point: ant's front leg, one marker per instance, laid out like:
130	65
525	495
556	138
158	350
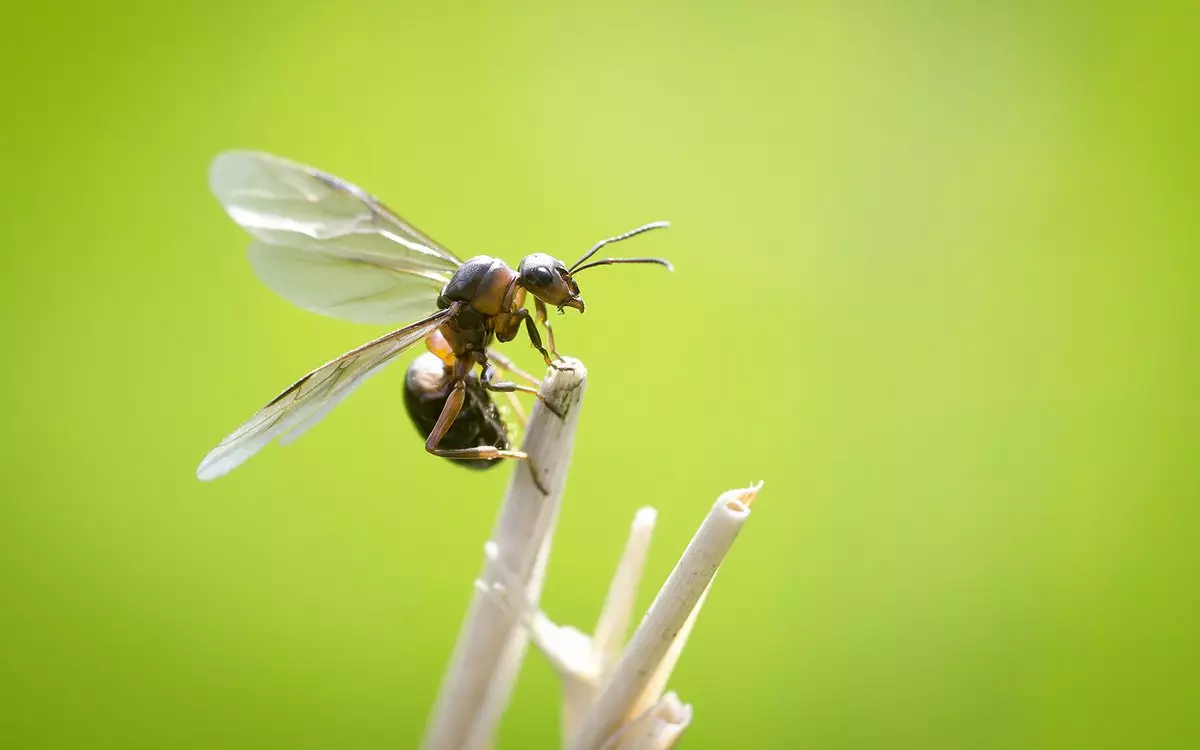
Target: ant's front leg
540	308
535	338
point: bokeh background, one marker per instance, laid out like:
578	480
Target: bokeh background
937	286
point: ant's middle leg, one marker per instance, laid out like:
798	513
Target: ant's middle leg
517	410
503	362
489	382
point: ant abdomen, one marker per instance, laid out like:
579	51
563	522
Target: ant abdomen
426	388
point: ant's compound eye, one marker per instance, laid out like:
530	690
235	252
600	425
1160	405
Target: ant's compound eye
540	276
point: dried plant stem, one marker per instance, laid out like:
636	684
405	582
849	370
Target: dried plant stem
658	679
492	643
646	662
659	728
613	624
581	686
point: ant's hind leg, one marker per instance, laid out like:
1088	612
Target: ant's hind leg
446	419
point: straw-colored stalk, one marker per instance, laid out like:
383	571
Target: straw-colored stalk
635	683
659	728
491	644
613	698
583	663
613	695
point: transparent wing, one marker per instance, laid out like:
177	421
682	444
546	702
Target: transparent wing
326	244
311	397
346	288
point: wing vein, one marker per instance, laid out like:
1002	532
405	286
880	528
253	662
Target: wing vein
306	401
326	244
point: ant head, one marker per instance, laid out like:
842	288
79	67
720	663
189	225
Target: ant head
549	280
553	283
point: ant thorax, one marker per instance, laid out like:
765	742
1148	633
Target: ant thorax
483	283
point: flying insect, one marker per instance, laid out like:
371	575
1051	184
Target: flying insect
328	246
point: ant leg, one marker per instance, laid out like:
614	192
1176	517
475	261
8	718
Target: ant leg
504	363
540	308
536	339
446	419
489	383
518	410
502	386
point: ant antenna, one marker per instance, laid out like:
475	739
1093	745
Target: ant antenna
618	238
612	261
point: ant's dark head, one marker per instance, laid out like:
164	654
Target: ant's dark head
549	280
553	283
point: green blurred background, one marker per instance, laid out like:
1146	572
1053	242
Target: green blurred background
937	286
